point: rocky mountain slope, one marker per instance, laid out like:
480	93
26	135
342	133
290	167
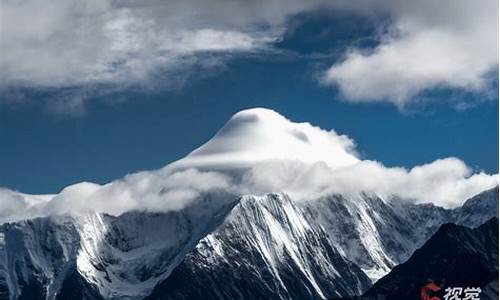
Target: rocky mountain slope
265	249
255	247
113	257
455	256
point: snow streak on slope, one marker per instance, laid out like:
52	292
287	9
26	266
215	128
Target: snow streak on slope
378	234
353	229
257	247
272	247
368	230
265	249
121	257
129	255
35	256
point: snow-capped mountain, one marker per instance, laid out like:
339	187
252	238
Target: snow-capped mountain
259	134
251	214
116	257
256	247
372	237
265	249
379	234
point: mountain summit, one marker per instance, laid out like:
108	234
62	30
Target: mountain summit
201	229
260	134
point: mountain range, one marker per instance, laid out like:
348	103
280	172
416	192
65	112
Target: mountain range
266	247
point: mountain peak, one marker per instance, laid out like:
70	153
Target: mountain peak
257	114
259	134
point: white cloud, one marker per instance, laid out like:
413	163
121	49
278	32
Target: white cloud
451	43
78	50
105	44
251	155
445	182
71	43
259	134
160	190
12	205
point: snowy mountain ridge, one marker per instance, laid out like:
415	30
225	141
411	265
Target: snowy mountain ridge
272	244
123	256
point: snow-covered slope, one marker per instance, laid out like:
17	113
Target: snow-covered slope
265	249
379	234
119	257
35	256
275	248
473	211
374	233
254	247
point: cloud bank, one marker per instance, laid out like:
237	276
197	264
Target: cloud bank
154	191
97	42
257	152
429	44
444	182
101	45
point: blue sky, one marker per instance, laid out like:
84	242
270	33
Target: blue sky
124	128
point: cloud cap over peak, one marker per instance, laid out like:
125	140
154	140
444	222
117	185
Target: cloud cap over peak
260	134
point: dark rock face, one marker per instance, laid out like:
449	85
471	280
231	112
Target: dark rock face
455	256
74	286
490	292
